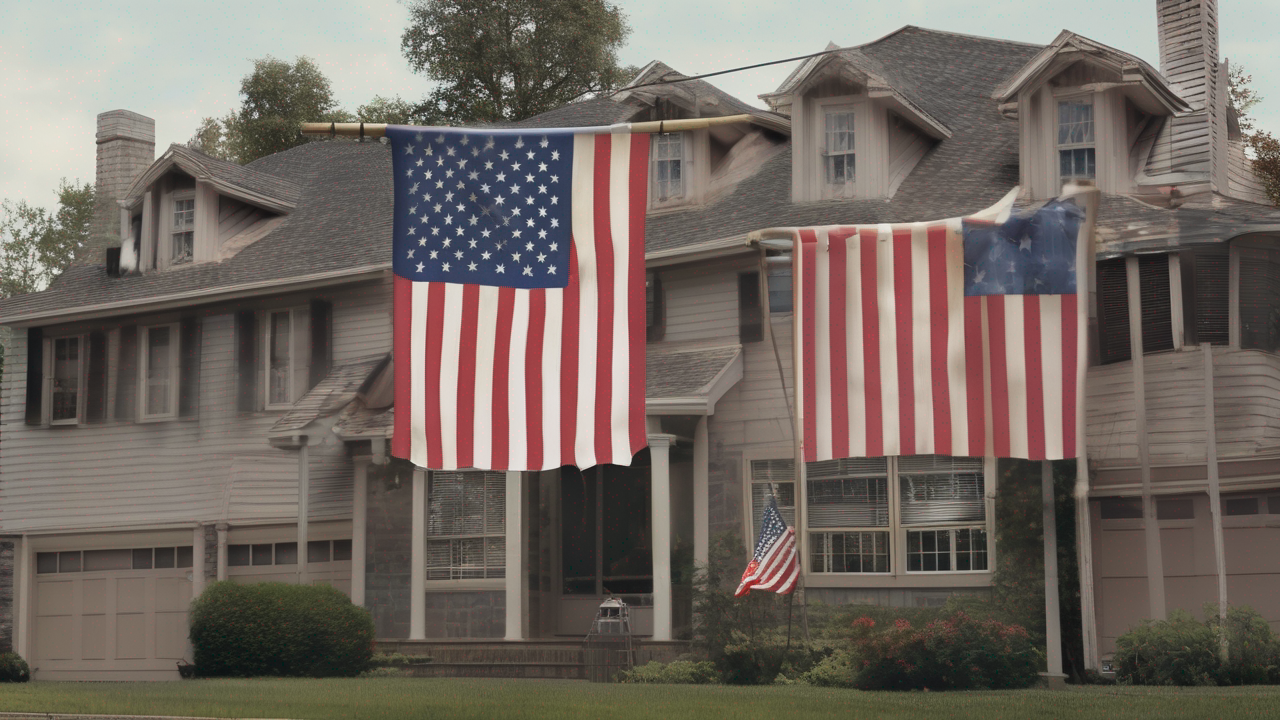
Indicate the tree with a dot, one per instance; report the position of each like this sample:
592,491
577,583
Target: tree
393,111
1262,144
506,60
37,245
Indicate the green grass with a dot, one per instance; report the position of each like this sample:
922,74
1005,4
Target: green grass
467,698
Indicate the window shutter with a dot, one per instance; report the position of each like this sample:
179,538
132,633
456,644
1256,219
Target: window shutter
189,370
246,361
655,308
1259,298
1157,316
127,374
1113,311
95,402
937,490
35,376
1212,293
750,314
321,340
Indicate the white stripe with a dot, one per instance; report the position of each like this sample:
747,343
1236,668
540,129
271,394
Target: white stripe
450,347
822,344
1051,365
620,226
1015,353
922,340
486,330
888,340
1084,288
517,425
856,381
584,239
418,375
552,331
955,339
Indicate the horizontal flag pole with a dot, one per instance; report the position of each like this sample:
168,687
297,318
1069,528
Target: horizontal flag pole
377,130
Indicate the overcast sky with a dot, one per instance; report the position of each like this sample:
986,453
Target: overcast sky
62,62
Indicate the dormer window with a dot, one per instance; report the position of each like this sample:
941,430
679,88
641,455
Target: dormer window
838,152
1076,151
668,160
183,231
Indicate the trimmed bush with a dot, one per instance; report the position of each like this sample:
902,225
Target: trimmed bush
13,668
1253,649
274,629
679,672
1185,651
955,653
837,670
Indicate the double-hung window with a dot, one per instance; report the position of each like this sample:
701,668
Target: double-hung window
182,249
849,515
1076,147
159,371
944,510
667,157
838,159
66,379
278,357
466,525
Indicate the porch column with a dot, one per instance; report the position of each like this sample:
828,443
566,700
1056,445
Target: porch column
359,525
515,556
1215,492
660,499
1052,625
222,552
701,494
24,574
197,561
1151,527
304,510
417,561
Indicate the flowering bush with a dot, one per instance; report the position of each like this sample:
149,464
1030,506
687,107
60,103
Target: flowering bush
957,652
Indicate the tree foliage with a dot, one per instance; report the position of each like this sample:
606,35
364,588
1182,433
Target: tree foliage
37,245
393,111
1264,146
506,60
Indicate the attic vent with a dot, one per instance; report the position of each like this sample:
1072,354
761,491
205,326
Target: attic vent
1157,320
1113,311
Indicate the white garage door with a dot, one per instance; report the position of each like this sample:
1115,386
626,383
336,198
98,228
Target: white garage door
116,614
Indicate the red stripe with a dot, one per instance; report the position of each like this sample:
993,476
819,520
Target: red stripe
999,376
871,344
906,366
838,244
638,193
467,375
973,366
431,393
1035,377
569,363
1070,351
604,314
533,377
501,370
808,353
939,334
402,303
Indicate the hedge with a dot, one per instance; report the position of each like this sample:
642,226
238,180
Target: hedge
13,668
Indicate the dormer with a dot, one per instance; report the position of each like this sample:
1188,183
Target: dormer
1086,111
857,132
189,208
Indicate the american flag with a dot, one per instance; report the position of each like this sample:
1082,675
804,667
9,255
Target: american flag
955,337
519,297
775,566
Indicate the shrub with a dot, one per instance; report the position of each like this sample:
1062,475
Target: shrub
1253,649
955,653
279,630
13,668
1177,651
836,670
398,660
679,672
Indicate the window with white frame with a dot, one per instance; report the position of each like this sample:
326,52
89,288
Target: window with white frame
943,507
1076,149
279,358
159,370
667,158
838,157
849,515
66,378
182,249
466,525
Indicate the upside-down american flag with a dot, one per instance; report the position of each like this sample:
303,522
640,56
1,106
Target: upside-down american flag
519,297
956,337
775,566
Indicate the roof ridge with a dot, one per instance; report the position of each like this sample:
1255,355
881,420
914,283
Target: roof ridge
971,36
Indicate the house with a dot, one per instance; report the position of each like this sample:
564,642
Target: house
219,408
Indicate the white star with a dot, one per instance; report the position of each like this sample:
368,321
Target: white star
502,269
439,184
428,151
515,233
426,197
515,189
447,242
458,254
439,161
555,178
434,254
551,269
473,220
420,161
471,266
515,211
499,200
528,178
542,167
485,255
414,188
410,253
437,207
528,270
422,242
545,142
412,230
488,144
555,200
464,140
542,234
528,200
418,137
448,197
460,230
528,246
515,166
408,149
529,155
503,155
1025,244
449,150
554,245
520,142
542,257
408,173
473,175
445,267
542,189
448,173
475,152
448,219
461,207
485,188
440,138
435,231
461,185
502,176
555,154
420,266
485,232
542,212
462,163
529,222
515,256
555,223
413,210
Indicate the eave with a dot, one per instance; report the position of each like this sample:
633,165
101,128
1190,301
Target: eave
172,159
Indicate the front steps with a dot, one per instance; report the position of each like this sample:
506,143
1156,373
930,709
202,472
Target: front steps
549,659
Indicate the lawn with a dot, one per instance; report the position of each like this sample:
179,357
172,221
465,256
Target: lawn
467,698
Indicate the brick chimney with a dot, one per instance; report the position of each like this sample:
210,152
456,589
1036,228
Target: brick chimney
126,148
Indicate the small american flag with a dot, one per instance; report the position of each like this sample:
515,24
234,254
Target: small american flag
519,297
775,566
955,337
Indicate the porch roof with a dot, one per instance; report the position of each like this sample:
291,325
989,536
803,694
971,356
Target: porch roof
689,380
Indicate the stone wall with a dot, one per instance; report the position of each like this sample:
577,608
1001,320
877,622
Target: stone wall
6,595
470,615
210,552
390,534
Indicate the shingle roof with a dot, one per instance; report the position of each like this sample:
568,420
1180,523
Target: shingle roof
685,372
337,390
248,178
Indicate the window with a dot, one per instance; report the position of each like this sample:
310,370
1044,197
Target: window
286,553
838,156
279,358
936,490
777,476
1206,287
66,380
160,370
750,314
1259,295
466,525
184,225
655,307
1076,158
851,498
668,172
1121,508
74,561
1240,506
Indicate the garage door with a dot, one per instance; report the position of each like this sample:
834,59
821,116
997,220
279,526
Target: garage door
118,614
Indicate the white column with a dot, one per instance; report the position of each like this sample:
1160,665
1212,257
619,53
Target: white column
1084,554
304,510
1215,492
701,494
515,556
660,497
222,551
417,560
359,526
197,561
22,615
1052,625
1151,528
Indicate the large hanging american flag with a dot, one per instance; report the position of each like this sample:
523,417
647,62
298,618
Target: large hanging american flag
775,566
519,297
957,337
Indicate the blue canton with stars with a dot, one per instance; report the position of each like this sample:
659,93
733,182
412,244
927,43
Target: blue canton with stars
1028,255
482,207
772,526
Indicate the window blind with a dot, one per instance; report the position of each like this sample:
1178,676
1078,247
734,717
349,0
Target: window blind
1113,311
1212,290
1157,316
937,490
781,473
466,525
852,492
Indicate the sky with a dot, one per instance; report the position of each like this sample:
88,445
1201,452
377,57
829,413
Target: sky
63,62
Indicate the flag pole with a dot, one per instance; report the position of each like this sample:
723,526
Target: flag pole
377,130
